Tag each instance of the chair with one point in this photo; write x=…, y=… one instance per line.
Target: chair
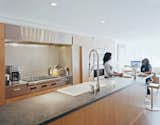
x=155, y=84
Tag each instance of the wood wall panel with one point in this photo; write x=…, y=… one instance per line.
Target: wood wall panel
x=76, y=67
x=2, y=65
x=121, y=108
x=85, y=64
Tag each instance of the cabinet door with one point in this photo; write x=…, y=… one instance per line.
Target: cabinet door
x=47, y=36
x=30, y=34
x=12, y=32
x=13, y=91
x=63, y=38
x=36, y=35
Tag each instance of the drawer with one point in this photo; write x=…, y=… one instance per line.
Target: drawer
x=52, y=84
x=60, y=82
x=33, y=88
x=44, y=86
x=15, y=91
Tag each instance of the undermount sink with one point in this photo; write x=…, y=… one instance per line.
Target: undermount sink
x=79, y=89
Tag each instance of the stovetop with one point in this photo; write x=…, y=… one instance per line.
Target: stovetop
x=38, y=78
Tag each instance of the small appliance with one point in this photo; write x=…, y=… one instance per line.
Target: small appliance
x=13, y=72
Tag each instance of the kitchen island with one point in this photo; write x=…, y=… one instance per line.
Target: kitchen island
x=119, y=103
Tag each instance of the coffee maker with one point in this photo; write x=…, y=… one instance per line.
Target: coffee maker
x=13, y=72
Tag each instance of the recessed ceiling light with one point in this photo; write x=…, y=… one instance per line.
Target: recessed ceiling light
x=53, y=4
x=102, y=21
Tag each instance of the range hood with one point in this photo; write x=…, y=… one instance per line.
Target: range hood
x=15, y=33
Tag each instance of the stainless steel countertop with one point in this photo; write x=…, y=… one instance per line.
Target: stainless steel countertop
x=44, y=108
x=22, y=82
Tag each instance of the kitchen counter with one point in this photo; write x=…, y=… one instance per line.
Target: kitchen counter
x=49, y=107
x=21, y=82
x=21, y=88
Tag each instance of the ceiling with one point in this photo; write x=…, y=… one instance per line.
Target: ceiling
x=124, y=19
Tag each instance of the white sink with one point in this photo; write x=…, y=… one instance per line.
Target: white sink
x=79, y=89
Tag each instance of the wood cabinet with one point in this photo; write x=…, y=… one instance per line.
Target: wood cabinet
x=28, y=34
x=13, y=91
x=36, y=35
x=2, y=65
x=23, y=89
x=121, y=108
x=48, y=36
x=12, y=33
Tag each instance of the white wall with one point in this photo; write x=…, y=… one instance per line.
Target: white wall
x=88, y=43
x=97, y=43
x=143, y=48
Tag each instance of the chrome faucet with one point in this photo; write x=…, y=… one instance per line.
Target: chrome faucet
x=91, y=68
x=135, y=73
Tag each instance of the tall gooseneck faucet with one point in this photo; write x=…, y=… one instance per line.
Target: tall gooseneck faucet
x=91, y=67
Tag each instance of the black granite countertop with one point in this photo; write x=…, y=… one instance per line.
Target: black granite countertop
x=48, y=107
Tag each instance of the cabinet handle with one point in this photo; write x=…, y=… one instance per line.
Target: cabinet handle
x=53, y=84
x=32, y=88
x=43, y=86
x=17, y=89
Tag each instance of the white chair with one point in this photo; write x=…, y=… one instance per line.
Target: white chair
x=155, y=84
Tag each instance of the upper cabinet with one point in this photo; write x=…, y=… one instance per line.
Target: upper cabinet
x=31, y=34
x=83, y=40
x=15, y=33
x=63, y=38
x=12, y=33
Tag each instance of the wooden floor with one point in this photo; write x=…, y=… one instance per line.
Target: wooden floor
x=150, y=117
